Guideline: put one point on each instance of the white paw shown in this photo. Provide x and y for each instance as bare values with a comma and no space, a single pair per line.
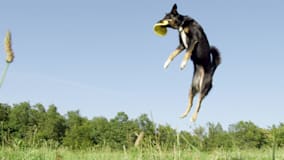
193,118
183,64
167,63
183,115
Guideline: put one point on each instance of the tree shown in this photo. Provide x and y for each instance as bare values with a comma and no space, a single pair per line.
277,135
4,112
53,125
280,135
78,133
4,118
167,136
100,131
148,127
199,136
29,125
20,120
122,131
217,137
248,135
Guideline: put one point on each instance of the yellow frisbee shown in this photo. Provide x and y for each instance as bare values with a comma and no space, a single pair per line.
160,29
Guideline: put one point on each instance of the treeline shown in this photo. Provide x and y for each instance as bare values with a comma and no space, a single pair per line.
25,125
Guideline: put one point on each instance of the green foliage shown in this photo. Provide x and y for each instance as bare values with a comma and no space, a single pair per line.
23,125
167,137
51,124
20,120
100,131
122,131
217,138
278,135
248,135
78,133
146,125
4,112
4,118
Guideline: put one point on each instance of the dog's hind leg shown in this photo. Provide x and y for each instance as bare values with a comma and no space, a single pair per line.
193,89
194,116
205,87
173,55
191,95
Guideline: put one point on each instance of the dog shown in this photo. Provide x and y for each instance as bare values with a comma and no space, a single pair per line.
205,58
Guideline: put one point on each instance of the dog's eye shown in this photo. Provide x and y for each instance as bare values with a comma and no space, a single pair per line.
167,15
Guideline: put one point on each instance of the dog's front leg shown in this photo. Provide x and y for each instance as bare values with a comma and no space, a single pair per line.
188,54
176,52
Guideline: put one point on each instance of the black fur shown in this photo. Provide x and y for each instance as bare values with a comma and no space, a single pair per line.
204,57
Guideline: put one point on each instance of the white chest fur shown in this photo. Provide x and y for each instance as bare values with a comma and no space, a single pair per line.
183,38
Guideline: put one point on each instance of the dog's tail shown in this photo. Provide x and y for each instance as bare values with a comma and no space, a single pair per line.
216,58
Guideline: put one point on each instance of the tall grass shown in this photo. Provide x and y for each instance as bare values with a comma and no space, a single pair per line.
9,55
45,153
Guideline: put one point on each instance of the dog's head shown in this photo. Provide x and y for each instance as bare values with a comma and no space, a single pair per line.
172,19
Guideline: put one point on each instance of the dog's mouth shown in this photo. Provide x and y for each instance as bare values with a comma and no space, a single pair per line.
164,22
160,28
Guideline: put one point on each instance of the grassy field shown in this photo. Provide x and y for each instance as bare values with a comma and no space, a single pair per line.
64,154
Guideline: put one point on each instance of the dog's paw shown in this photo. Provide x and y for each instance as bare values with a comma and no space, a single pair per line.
193,118
167,63
182,65
183,115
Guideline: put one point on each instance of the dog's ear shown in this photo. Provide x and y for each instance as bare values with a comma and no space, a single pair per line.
174,9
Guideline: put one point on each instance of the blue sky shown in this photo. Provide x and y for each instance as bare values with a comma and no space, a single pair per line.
102,57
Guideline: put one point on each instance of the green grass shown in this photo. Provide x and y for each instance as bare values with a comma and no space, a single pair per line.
135,154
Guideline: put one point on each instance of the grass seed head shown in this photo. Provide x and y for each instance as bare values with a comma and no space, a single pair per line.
8,48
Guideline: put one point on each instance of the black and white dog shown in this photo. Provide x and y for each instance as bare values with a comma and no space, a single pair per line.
205,58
